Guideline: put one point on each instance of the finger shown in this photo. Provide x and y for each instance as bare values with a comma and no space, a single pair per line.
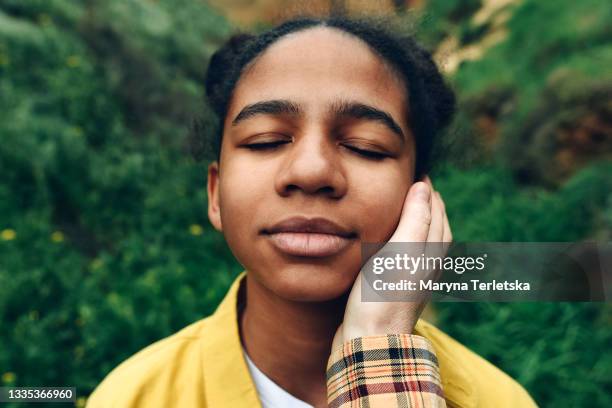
447,236
436,229
435,246
416,215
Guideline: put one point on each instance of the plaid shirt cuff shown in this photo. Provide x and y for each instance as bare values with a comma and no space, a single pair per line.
393,370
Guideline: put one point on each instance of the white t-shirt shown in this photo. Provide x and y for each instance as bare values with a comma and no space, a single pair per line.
271,394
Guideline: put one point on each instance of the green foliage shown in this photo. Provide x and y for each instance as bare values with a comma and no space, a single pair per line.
558,351
105,245
501,210
543,95
441,18
545,87
104,240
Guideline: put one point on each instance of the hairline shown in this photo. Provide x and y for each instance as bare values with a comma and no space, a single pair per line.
318,24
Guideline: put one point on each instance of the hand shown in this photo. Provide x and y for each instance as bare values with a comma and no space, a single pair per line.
423,219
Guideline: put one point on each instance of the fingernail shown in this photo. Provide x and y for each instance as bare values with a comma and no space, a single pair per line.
423,192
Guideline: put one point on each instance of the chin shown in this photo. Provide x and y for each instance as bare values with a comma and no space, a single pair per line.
310,283
300,279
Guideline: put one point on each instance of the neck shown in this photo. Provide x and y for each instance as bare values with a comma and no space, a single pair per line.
290,341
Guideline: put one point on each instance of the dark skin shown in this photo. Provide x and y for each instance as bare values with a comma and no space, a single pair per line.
317,127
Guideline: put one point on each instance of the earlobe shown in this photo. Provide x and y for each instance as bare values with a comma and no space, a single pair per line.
214,212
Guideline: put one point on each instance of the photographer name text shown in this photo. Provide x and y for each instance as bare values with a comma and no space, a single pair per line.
448,287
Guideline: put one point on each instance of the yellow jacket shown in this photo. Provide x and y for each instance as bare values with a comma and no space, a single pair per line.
202,365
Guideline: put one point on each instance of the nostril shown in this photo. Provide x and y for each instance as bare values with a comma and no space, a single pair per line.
291,187
326,190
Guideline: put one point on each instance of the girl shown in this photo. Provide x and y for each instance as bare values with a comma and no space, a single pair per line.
326,128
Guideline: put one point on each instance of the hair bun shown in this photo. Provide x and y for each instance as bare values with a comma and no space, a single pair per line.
441,95
220,62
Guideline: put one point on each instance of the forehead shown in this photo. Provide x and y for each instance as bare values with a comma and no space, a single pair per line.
317,66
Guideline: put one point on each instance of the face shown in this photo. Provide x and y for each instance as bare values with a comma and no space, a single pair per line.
317,157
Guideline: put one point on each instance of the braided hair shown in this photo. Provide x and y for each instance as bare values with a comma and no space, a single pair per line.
431,102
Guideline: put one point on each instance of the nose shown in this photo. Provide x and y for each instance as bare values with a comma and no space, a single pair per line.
312,166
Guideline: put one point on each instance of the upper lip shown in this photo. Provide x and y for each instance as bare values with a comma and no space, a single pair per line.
313,225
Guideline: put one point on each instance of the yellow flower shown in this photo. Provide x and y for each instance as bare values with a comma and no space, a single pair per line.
79,351
76,130
8,377
44,19
57,236
196,229
95,264
73,61
8,234
80,402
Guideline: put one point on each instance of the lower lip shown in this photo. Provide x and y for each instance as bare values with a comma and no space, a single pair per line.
308,243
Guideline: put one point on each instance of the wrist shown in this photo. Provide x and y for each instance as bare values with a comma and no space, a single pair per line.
350,332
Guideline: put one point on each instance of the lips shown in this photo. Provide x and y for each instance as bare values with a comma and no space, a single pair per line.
309,237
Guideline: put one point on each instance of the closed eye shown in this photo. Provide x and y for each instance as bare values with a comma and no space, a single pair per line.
370,154
266,145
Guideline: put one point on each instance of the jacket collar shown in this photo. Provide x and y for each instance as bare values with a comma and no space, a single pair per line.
227,381
457,384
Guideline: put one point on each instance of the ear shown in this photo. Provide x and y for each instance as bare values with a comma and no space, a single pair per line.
212,187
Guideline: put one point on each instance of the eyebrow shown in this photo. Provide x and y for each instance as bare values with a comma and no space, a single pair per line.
274,107
359,110
341,108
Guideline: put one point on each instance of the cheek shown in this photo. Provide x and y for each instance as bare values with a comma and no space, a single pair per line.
244,192
236,202
239,193
381,198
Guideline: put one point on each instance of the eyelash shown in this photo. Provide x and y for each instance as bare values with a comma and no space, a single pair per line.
370,154
266,145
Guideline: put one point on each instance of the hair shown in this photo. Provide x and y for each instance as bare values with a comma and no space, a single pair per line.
431,103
